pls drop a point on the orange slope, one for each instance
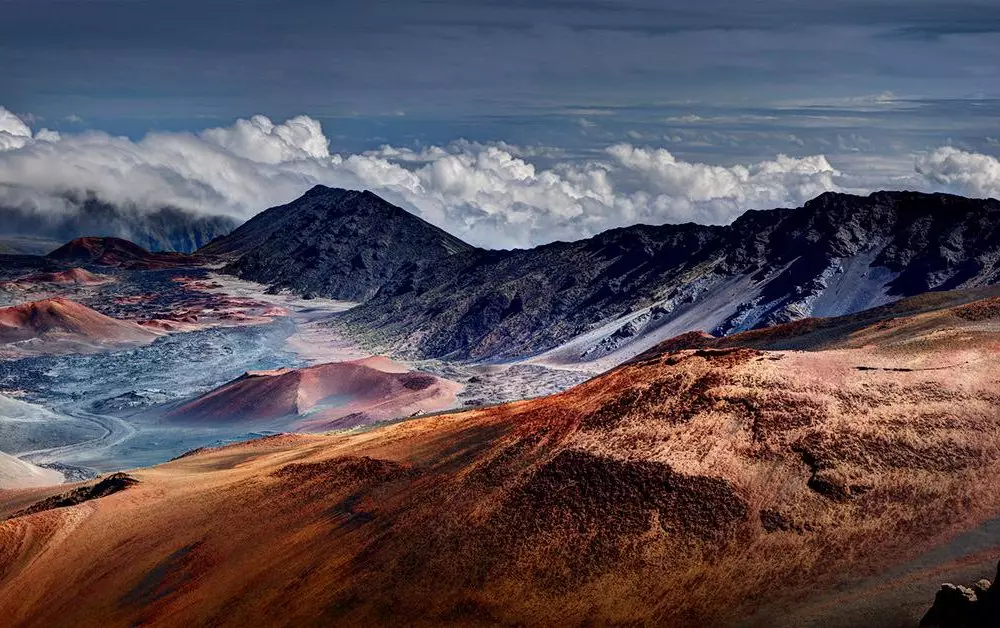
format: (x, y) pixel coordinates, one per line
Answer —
(58, 324)
(691, 487)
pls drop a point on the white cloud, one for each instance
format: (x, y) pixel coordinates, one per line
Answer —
(971, 174)
(14, 133)
(490, 194)
(260, 140)
(720, 193)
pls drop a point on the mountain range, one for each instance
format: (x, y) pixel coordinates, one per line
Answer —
(426, 294)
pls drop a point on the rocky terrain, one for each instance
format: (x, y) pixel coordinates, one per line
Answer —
(331, 242)
(118, 253)
(692, 486)
(161, 229)
(622, 291)
(78, 276)
(954, 606)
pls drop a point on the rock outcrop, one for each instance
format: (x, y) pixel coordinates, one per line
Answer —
(956, 606)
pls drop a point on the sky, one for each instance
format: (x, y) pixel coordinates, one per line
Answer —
(510, 123)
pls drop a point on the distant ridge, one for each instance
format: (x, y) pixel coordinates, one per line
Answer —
(157, 229)
(119, 253)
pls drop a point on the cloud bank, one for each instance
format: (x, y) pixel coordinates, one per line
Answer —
(971, 174)
(489, 194)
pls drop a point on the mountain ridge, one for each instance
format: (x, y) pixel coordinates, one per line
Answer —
(604, 299)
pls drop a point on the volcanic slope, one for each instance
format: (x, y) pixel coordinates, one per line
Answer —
(71, 276)
(689, 487)
(322, 397)
(116, 252)
(617, 294)
(59, 325)
(332, 242)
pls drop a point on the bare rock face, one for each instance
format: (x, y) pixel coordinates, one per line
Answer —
(838, 254)
(332, 242)
(956, 606)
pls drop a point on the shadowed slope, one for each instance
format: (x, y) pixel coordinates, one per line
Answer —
(332, 242)
(622, 291)
(689, 487)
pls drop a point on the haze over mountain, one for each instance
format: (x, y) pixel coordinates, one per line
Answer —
(160, 229)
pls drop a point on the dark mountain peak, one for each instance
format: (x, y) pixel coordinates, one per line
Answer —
(339, 243)
(837, 254)
(325, 192)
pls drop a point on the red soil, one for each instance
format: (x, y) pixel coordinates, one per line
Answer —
(72, 276)
(57, 324)
(120, 253)
(323, 397)
(698, 487)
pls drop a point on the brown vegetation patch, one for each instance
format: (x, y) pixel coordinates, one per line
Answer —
(342, 471)
(674, 395)
(985, 309)
(578, 492)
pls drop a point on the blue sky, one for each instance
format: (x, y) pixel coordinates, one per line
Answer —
(400, 71)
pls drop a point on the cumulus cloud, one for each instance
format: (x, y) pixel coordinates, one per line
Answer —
(14, 133)
(490, 194)
(971, 174)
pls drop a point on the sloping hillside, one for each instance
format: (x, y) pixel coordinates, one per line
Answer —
(690, 487)
(62, 326)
